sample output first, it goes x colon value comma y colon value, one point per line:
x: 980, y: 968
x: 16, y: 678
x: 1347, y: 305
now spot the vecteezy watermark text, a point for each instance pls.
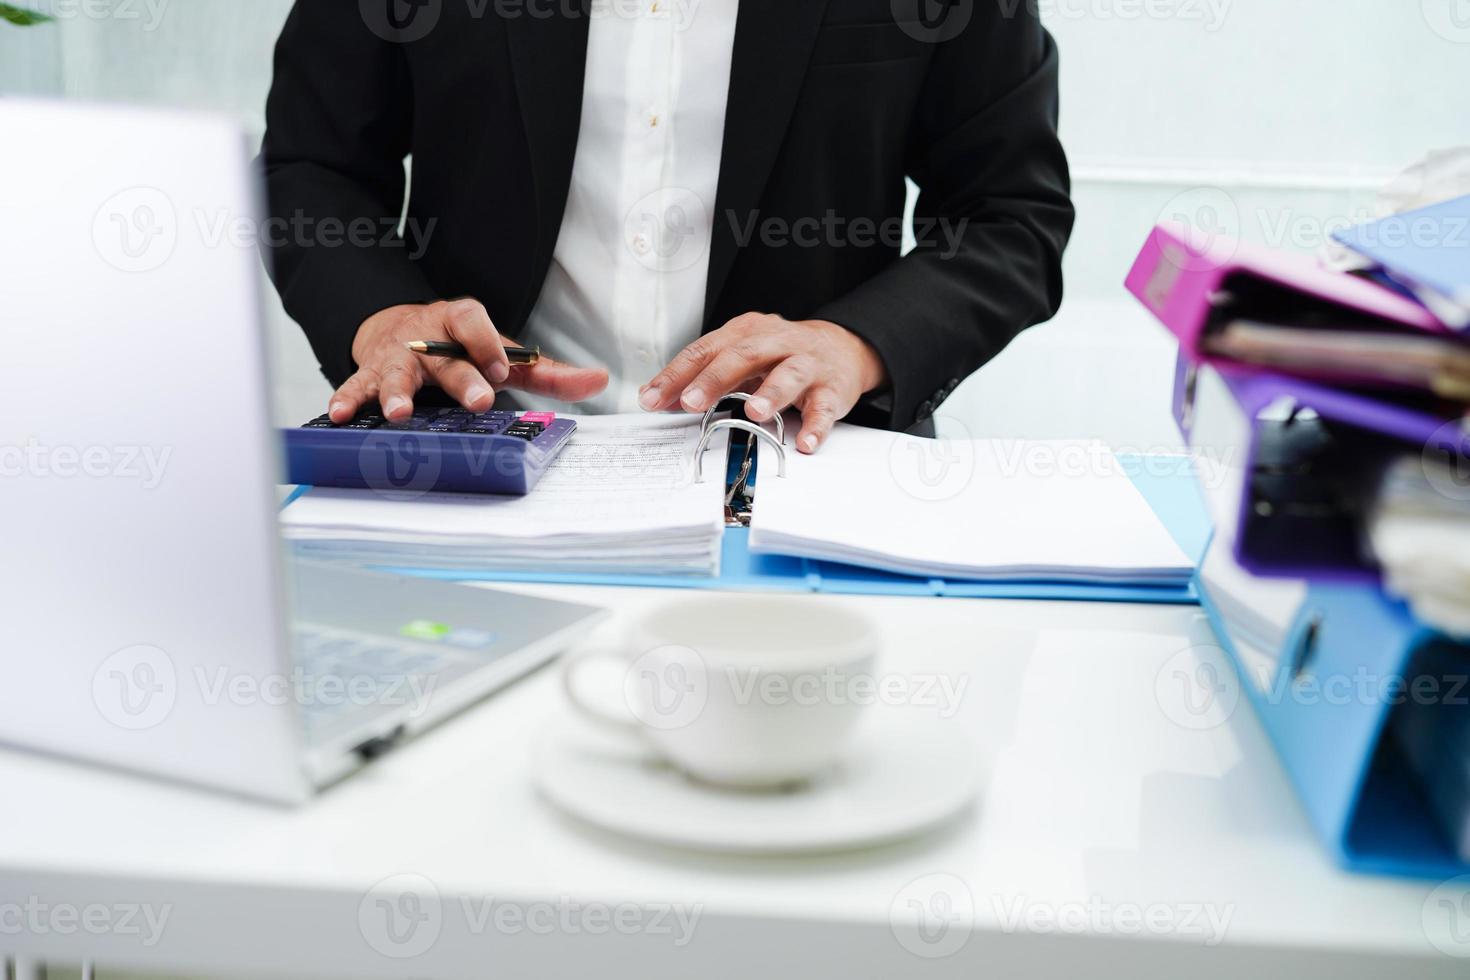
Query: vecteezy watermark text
x: 138, y: 687
x: 1199, y: 687
x: 149, y: 12
x: 668, y: 688
x: 831, y: 230
x: 835, y: 687
x: 402, y: 916
x: 1204, y: 922
x: 408, y: 21
x: 220, y: 227
x: 138, y: 230
x: 34, y: 916
x: 1209, y: 13
x: 300, y: 686
x: 35, y: 459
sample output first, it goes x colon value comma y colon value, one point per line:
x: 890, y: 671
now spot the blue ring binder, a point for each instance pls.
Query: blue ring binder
x: 1358, y: 796
x: 1360, y: 802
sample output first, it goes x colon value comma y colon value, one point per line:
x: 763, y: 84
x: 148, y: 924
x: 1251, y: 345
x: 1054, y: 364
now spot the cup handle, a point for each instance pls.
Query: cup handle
x: 571, y: 666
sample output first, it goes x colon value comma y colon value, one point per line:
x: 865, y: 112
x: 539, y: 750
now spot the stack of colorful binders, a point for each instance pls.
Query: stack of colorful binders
x: 1327, y: 414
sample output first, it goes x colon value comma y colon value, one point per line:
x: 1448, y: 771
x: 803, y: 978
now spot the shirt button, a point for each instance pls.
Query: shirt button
x: 644, y: 355
x: 640, y: 244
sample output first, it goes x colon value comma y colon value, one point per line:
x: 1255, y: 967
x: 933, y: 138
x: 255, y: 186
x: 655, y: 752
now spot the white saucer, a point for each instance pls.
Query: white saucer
x: 903, y: 775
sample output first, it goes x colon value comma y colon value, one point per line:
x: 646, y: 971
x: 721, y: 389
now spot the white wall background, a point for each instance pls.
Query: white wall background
x: 1276, y: 118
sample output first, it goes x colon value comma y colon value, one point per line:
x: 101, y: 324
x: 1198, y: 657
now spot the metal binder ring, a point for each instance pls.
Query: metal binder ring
x: 744, y: 426
x: 709, y: 413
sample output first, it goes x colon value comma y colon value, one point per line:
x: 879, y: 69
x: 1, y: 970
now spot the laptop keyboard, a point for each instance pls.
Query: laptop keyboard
x: 342, y: 672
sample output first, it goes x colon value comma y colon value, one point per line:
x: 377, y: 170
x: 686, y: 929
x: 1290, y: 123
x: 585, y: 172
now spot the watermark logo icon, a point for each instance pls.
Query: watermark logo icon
x: 932, y: 21
x: 665, y: 230
x: 1446, y: 917
x: 1446, y: 461
x: 401, y: 916
x: 933, y: 470
x: 136, y: 687
x: 1197, y: 688
x: 398, y: 463
x: 667, y: 687
x: 1210, y: 221
x: 1450, y: 19
x: 401, y: 21
x: 933, y: 915
x: 136, y: 230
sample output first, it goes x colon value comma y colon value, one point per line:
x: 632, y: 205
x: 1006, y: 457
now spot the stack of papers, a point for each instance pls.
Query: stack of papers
x: 989, y: 509
x: 1401, y: 357
x: 1258, y: 612
x: 621, y: 498
x: 1420, y: 533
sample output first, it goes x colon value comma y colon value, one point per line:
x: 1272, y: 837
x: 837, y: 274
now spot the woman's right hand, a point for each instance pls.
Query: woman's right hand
x: 390, y: 374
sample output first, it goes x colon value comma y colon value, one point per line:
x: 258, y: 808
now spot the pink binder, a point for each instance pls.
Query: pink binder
x: 1191, y: 281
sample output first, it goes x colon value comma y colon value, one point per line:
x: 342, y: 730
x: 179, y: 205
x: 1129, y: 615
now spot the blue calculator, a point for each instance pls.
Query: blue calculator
x: 436, y: 449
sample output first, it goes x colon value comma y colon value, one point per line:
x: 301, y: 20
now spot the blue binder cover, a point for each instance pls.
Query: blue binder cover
x: 1424, y: 248
x: 1327, y: 709
x: 1167, y: 483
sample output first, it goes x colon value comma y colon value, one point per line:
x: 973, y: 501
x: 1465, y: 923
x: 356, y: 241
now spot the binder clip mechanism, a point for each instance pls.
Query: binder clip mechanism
x: 740, y: 492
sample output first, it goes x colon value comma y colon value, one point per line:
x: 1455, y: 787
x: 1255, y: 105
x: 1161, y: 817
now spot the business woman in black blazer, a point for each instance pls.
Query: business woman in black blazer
x: 831, y: 105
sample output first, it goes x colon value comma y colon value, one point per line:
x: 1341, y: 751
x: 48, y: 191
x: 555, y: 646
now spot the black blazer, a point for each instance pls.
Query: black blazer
x: 832, y: 104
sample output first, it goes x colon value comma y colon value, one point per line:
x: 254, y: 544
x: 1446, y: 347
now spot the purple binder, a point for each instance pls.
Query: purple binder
x: 1277, y: 467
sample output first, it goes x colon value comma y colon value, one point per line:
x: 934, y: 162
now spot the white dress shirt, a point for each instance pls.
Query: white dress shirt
x: 626, y: 288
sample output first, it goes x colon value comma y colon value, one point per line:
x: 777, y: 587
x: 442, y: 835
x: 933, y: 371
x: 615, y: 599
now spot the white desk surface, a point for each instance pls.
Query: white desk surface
x: 1114, y: 834
x: 1097, y: 801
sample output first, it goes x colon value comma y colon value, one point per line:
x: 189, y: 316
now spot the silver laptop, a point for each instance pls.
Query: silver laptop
x: 149, y: 622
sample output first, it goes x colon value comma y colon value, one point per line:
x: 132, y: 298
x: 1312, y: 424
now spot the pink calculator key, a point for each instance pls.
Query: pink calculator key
x: 545, y: 418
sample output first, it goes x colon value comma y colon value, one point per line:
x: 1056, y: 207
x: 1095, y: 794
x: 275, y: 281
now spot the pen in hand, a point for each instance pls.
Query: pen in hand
x: 447, y: 348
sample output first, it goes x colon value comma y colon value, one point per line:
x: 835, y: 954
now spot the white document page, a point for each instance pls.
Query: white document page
x: 621, y: 492
x: 965, y: 509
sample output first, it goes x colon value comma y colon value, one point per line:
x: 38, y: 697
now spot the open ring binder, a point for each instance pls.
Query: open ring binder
x: 744, y: 426
x: 714, y: 409
x: 708, y: 427
x: 1171, y: 490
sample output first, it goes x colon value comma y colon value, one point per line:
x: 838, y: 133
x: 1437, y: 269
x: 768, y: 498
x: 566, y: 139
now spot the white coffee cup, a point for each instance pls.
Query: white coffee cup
x: 745, y: 691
